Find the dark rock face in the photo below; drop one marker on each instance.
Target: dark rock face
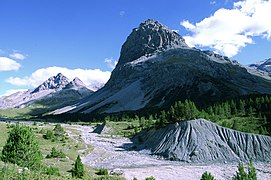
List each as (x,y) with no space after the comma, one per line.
(156,68)
(149,37)
(202,141)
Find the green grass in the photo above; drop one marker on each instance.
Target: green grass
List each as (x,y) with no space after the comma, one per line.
(21,113)
(71,147)
(121,128)
(243,124)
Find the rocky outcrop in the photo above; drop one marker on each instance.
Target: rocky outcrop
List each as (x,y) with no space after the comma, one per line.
(56,82)
(202,141)
(76,83)
(151,36)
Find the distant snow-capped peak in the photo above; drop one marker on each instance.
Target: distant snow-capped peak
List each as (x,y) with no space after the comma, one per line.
(57,82)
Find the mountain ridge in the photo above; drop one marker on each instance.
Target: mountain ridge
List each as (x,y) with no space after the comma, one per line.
(54,86)
(154,74)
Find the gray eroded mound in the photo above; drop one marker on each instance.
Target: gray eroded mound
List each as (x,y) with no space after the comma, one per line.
(204,141)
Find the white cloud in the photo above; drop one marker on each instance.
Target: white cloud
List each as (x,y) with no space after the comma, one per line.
(212,2)
(17,56)
(93,78)
(7,64)
(122,13)
(12,91)
(111,63)
(229,30)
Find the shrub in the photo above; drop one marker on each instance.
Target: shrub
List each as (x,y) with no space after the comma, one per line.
(102,171)
(78,169)
(150,178)
(207,176)
(57,133)
(56,154)
(51,171)
(22,148)
(58,130)
(49,135)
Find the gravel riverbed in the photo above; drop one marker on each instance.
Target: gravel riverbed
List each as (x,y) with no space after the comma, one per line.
(111,152)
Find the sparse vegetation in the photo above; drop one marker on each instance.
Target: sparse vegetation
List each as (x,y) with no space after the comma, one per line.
(57,134)
(102,171)
(56,154)
(50,168)
(51,171)
(150,178)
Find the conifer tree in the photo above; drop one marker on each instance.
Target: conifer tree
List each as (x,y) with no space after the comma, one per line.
(251,171)
(78,169)
(22,148)
(207,176)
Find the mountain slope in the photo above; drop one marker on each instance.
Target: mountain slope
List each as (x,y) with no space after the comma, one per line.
(54,93)
(263,66)
(156,68)
(203,141)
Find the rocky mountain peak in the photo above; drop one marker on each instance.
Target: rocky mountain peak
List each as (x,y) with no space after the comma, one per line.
(150,37)
(78,82)
(263,66)
(55,82)
(75,83)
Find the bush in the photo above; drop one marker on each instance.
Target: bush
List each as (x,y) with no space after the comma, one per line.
(78,169)
(102,171)
(150,178)
(207,176)
(51,171)
(59,131)
(49,135)
(22,148)
(56,154)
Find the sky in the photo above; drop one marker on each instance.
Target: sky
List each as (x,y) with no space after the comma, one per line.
(83,38)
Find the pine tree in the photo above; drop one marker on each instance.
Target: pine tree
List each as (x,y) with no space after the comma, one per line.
(142,122)
(241,174)
(251,171)
(22,148)
(78,169)
(207,176)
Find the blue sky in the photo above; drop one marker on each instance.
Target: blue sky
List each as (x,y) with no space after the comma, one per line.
(83,37)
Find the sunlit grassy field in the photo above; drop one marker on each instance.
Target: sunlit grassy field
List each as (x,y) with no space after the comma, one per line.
(72,146)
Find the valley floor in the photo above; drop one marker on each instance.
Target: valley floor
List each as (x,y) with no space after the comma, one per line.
(111,152)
